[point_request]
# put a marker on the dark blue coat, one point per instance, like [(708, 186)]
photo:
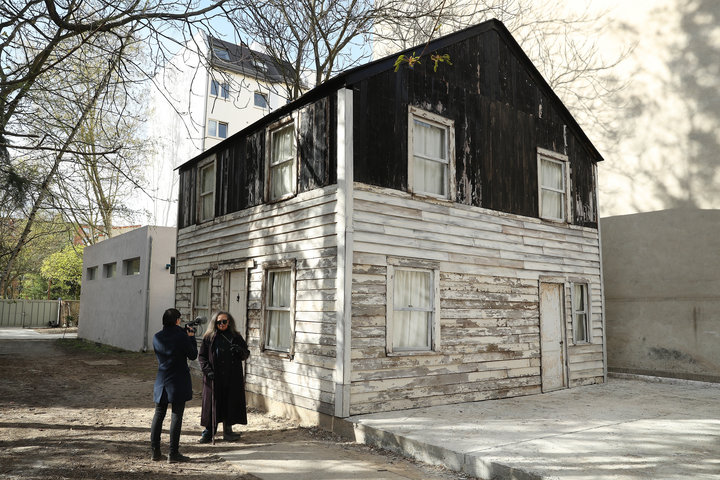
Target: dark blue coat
[(173, 347)]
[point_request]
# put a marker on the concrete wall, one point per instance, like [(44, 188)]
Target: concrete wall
[(662, 287), (126, 310)]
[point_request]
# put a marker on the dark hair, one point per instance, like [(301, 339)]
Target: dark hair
[(170, 317), (212, 330)]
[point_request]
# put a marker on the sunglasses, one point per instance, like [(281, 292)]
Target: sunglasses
[(221, 322)]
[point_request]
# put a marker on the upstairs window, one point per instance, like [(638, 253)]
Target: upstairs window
[(431, 158), (91, 273), (217, 129), (206, 192), (281, 162), (553, 184), (261, 100), (581, 317), (218, 89), (221, 53)]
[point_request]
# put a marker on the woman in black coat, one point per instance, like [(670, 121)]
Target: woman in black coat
[(222, 352), (173, 347)]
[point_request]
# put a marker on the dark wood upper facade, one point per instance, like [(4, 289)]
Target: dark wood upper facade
[(502, 109)]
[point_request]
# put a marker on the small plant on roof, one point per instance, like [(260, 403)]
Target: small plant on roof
[(439, 59)]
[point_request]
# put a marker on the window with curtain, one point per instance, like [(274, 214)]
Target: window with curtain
[(430, 160), (278, 310), (581, 325), (201, 297), (553, 188), (282, 162), (206, 194), (413, 310)]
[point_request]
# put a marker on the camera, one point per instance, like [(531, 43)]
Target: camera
[(190, 326)]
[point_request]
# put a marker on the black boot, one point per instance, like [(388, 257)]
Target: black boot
[(205, 437), (156, 455), (229, 435), (177, 457)]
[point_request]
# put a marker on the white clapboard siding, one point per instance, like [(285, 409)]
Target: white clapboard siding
[(490, 266), (300, 229)]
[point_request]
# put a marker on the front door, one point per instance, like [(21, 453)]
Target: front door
[(236, 299), (551, 336)]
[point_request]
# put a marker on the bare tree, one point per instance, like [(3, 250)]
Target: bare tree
[(42, 40), (561, 43)]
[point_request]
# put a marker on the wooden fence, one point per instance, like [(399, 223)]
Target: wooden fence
[(38, 313)]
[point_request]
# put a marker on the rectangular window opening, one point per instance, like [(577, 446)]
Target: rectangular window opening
[(279, 310), (206, 194), (131, 266), (261, 100), (430, 162), (201, 297), (581, 314), (109, 270), (91, 273), (282, 162), (553, 183)]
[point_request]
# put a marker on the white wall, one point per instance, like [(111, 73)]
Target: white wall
[(181, 104), (115, 311)]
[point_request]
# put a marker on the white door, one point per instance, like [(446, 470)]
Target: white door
[(552, 347), (237, 299)]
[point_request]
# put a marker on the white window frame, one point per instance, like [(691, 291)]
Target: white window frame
[(554, 157), (203, 195), (268, 268), (213, 128), (264, 96), (434, 327), (441, 122), (131, 266), (201, 310), (221, 89), (272, 129), (585, 313)]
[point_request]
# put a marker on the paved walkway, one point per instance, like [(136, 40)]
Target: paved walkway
[(625, 429), (19, 333)]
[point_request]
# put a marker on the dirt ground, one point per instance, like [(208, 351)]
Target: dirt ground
[(72, 410)]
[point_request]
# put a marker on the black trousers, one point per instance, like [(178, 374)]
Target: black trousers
[(178, 408)]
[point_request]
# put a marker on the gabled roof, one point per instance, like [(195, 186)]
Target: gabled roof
[(241, 59), (357, 74)]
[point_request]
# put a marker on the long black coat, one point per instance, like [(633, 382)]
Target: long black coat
[(173, 348), (228, 398)]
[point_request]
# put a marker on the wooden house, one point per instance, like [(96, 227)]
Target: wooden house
[(404, 239)]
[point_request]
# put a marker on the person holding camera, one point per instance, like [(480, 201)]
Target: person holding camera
[(174, 346), (222, 352)]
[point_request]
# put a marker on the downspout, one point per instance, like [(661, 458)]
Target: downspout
[(208, 56), (148, 259), (344, 235)]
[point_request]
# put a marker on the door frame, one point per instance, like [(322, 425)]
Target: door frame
[(226, 269), (564, 376)]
